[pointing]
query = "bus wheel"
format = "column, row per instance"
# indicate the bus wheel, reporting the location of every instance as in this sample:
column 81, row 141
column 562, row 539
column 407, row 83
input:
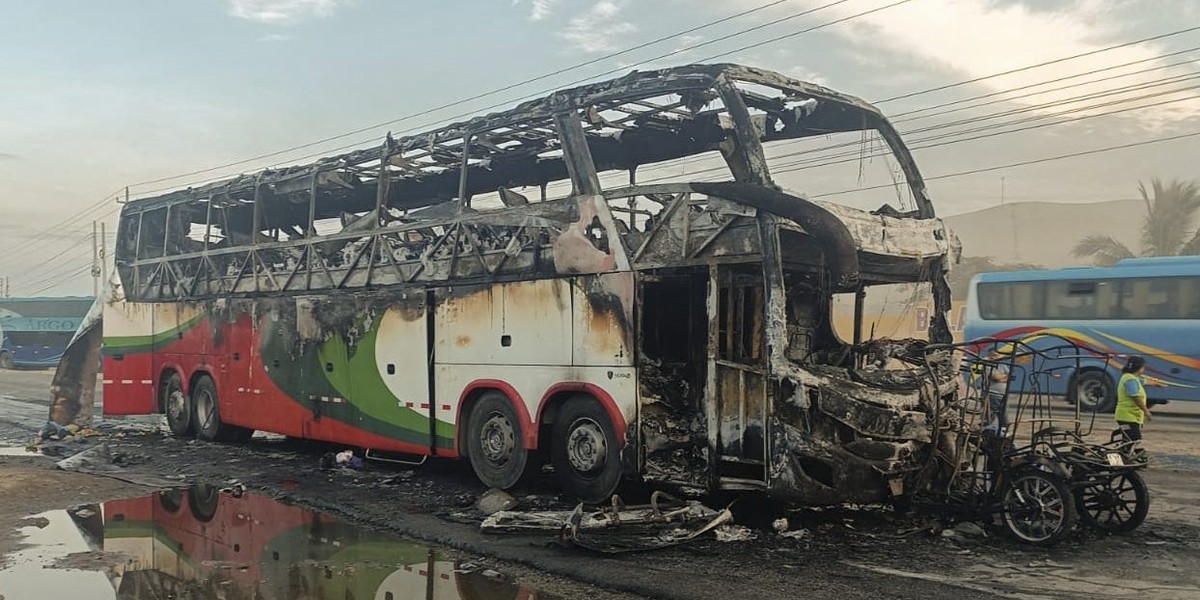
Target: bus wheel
column 1095, row 392
column 178, row 406
column 171, row 500
column 203, row 500
column 208, row 412
column 494, row 442
column 585, row 450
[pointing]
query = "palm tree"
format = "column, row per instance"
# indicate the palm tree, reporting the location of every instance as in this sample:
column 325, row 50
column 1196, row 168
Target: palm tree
column 1166, row 230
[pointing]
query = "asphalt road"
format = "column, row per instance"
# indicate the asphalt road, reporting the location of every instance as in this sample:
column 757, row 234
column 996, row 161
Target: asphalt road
column 848, row 553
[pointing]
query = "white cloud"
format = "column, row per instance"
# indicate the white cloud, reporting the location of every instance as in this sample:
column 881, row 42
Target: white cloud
column 599, row 29
column 283, row 12
column 805, row 74
column 970, row 39
column 538, row 9
column 275, row 37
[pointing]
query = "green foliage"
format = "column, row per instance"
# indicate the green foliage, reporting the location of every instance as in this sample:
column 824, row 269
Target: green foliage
column 1167, row 229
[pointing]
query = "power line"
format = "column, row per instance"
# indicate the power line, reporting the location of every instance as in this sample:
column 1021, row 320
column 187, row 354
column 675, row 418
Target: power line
column 1039, row 65
column 1161, row 36
column 511, row 101
column 62, row 280
column 79, row 242
column 821, row 160
column 709, row 42
column 923, row 143
column 498, row 90
column 14, row 248
column 1024, row 163
column 909, row 116
column 1064, row 78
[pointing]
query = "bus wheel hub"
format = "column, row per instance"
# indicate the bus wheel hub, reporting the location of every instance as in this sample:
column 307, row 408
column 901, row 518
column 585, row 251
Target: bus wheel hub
column 498, row 439
column 586, row 447
column 177, row 403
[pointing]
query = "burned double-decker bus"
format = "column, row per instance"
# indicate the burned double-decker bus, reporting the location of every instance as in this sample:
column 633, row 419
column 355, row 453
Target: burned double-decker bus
column 539, row 285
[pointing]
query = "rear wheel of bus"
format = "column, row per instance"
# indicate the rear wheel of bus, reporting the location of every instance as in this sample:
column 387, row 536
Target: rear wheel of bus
column 208, row 415
column 177, row 405
column 585, row 450
column 494, row 442
column 1095, row 392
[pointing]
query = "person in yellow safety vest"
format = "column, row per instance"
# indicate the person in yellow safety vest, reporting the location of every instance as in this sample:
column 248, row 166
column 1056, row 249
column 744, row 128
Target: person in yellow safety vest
column 1132, row 409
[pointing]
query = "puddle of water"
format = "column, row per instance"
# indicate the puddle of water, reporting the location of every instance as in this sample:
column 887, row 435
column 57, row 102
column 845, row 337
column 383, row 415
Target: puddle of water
column 198, row 543
column 26, row 574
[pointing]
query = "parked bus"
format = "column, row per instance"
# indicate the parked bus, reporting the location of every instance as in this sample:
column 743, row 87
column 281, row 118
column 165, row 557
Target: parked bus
column 1146, row 306
column 504, row 290
column 35, row 331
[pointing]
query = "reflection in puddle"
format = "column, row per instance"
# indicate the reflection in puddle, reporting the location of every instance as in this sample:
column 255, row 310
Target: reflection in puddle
column 198, row 543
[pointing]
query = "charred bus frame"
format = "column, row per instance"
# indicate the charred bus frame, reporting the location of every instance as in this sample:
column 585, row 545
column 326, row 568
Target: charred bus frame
column 711, row 299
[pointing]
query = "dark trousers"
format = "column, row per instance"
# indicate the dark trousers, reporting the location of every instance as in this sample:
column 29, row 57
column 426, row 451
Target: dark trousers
column 997, row 403
column 1131, row 430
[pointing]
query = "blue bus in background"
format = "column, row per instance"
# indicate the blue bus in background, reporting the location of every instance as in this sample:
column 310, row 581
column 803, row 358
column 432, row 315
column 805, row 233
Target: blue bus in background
column 34, row 332
column 1146, row 306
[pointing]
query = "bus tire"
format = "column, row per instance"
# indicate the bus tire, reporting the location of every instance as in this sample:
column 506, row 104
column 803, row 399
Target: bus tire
column 585, row 450
column 1094, row 391
column 178, row 406
column 495, row 445
column 208, row 411
column 203, row 500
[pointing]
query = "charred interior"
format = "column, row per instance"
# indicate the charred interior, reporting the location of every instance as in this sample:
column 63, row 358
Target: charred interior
column 743, row 382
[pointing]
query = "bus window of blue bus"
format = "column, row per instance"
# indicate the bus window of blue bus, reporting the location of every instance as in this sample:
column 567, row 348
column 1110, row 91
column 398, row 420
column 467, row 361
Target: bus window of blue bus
column 1146, row 306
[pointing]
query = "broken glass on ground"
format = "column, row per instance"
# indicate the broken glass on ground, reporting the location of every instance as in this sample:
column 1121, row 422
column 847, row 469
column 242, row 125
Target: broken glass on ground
column 201, row 543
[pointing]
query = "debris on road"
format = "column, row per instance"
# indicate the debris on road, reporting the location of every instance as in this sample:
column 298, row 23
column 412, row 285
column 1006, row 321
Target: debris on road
column 666, row 521
column 735, row 533
column 99, row 460
column 494, row 501
column 344, row 459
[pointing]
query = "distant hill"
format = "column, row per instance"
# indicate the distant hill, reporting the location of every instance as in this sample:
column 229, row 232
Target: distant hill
column 1043, row 233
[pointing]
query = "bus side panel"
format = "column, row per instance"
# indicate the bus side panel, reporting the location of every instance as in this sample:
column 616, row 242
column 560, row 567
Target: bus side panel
column 513, row 325
column 521, row 338
column 603, row 320
column 320, row 372
column 235, row 340
column 1170, row 349
column 129, row 376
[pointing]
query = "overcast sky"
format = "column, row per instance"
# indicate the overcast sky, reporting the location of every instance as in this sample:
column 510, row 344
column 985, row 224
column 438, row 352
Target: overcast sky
column 100, row 95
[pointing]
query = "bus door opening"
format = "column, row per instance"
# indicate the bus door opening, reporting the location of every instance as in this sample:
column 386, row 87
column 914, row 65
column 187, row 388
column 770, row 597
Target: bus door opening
column 738, row 402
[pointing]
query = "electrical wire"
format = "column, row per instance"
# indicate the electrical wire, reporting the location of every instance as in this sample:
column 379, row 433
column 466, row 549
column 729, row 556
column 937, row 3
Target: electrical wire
column 543, row 92
column 1024, row 163
column 495, row 91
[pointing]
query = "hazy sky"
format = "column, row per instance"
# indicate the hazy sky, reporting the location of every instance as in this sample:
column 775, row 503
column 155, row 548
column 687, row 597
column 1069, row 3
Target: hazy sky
column 100, row 95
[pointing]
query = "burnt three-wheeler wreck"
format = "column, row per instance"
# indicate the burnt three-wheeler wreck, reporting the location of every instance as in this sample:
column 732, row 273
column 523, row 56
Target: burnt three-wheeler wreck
column 505, row 290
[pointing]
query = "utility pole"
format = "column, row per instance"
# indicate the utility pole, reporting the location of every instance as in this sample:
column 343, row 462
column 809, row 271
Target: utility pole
column 95, row 260
column 103, row 258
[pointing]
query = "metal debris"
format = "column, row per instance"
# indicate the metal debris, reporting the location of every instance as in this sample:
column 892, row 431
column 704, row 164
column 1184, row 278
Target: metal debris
column 617, row 528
